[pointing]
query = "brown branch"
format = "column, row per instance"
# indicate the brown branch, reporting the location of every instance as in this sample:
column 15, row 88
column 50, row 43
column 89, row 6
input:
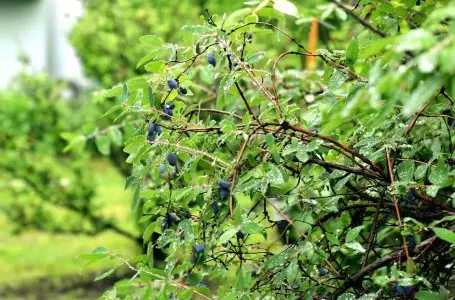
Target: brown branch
column 414, row 120
column 359, row 19
column 395, row 203
column 236, row 170
column 364, row 172
column 330, row 140
column 212, row 110
column 271, row 26
column 394, row 256
column 159, row 277
column 291, row 223
column 242, row 95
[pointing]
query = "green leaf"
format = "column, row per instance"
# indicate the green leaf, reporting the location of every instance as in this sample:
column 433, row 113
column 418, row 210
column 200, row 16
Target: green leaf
column 347, row 296
column 424, row 91
column 355, row 246
column 115, row 135
column 285, row 7
column 103, row 144
column 439, row 173
column 406, row 170
column 151, row 41
column 352, row 52
column 124, row 93
column 149, row 230
column 429, row 295
column 104, row 274
column 151, row 97
column 251, row 227
column 445, row 234
column 302, row 156
column 155, row 66
column 227, row 235
column 97, row 254
column 353, row 233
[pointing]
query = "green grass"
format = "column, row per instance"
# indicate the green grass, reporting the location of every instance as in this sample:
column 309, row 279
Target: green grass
column 33, row 255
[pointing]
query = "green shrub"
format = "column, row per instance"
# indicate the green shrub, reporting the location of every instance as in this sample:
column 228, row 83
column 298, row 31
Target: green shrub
column 266, row 180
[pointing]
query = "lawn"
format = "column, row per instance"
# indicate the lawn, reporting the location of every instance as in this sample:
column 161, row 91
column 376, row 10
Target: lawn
column 30, row 256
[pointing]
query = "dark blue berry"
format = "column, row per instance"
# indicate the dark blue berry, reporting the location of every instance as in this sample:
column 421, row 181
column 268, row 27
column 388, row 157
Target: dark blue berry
column 199, row 248
column 172, row 159
column 158, row 130
column 224, row 245
column 322, row 271
column 201, row 283
column 162, row 169
column 408, row 290
column 411, row 241
column 172, row 83
column 215, row 207
column 152, row 128
column 411, row 194
column 172, row 218
column 151, row 137
column 254, row 273
column 170, row 105
column 224, row 194
column 240, row 235
column 211, row 59
column 186, row 215
column 446, row 111
column 250, row 37
column 183, row 90
column 224, row 184
column 164, row 224
column 168, row 111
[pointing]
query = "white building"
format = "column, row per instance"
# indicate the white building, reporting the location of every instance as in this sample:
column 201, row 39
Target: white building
column 39, row 29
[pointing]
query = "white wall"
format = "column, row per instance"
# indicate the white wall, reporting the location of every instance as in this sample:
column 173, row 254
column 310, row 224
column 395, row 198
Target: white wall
column 38, row 28
column 64, row 63
column 22, row 29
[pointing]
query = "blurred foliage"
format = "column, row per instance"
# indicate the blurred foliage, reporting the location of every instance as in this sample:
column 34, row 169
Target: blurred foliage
column 106, row 36
column 266, row 179
column 52, row 191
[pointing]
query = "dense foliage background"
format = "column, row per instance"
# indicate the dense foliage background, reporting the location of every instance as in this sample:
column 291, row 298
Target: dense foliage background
column 274, row 149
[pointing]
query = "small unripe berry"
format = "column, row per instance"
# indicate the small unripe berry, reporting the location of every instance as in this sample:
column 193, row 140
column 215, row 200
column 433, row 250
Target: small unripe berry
column 162, row 169
column 211, row 59
column 172, row 83
column 172, row 159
